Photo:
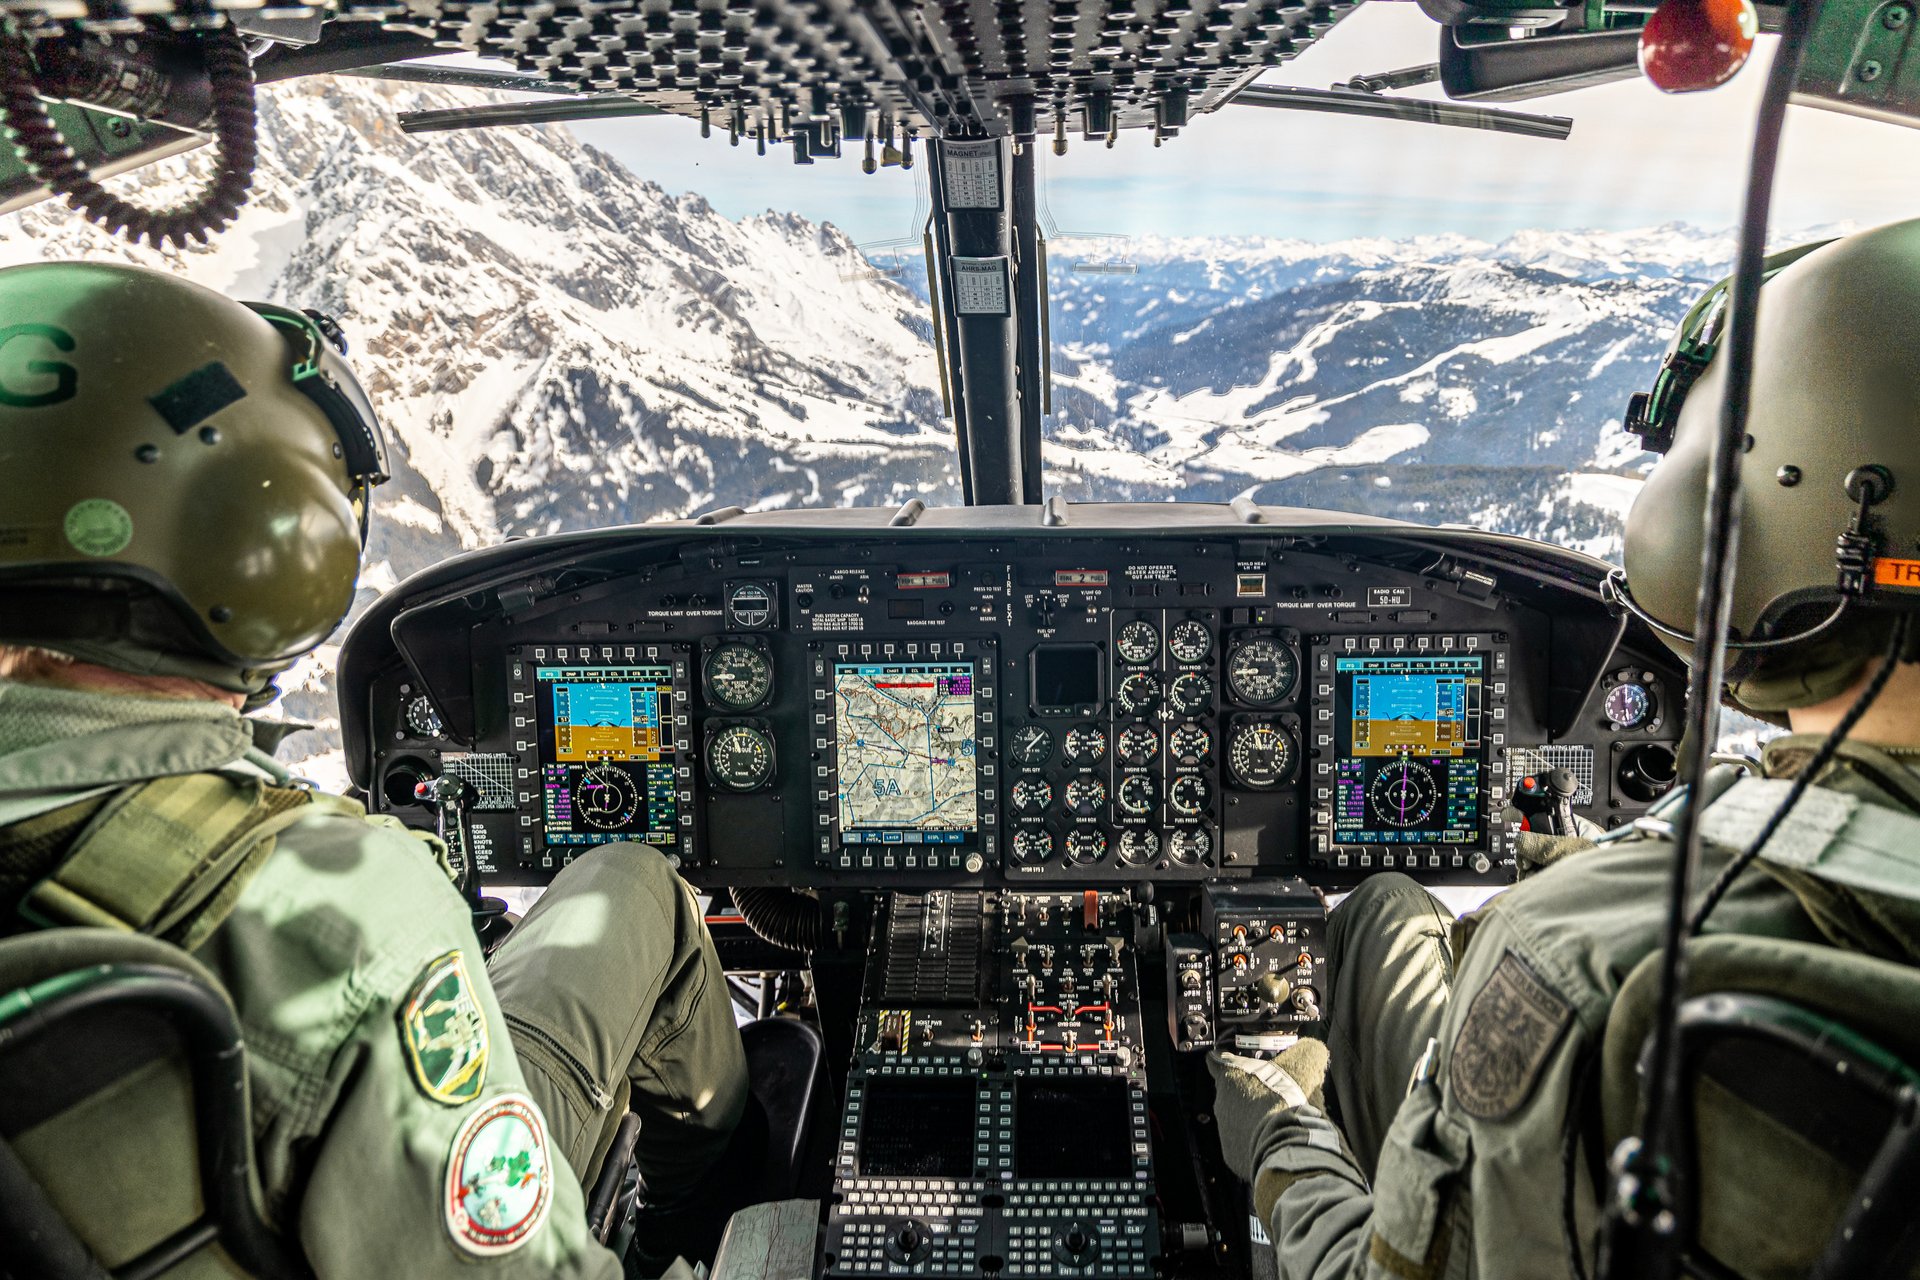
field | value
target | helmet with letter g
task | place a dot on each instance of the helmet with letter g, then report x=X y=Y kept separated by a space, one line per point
x=184 y=479
x=1829 y=544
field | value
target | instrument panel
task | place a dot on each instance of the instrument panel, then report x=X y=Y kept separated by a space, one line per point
x=798 y=699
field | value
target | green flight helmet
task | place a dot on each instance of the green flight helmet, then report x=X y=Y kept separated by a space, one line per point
x=1830 y=494
x=184 y=479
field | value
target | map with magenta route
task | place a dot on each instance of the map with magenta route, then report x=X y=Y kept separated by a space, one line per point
x=906 y=746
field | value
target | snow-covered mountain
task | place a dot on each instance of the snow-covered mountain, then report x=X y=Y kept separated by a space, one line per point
x=555 y=343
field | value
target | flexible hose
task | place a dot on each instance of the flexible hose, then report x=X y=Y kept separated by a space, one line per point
x=785 y=917
x=54 y=165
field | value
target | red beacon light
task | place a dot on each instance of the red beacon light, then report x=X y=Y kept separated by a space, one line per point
x=1690 y=45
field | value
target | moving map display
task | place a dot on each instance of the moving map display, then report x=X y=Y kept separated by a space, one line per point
x=1410 y=758
x=605 y=746
x=904 y=736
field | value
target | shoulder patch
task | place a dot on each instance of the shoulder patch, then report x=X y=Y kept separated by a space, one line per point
x=499 y=1177
x=444 y=1032
x=1506 y=1037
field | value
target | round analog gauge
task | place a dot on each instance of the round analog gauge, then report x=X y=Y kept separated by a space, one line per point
x=1189 y=641
x=1260 y=754
x=1032 y=746
x=1032 y=846
x=1084 y=847
x=740 y=757
x=1262 y=671
x=750 y=606
x=606 y=796
x=1137 y=795
x=1138 y=848
x=1402 y=794
x=1191 y=846
x=1085 y=796
x=1031 y=795
x=1190 y=744
x=1137 y=642
x=1085 y=744
x=1191 y=693
x=422 y=718
x=1189 y=794
x=1137 y=744
x=739 y=677
x=1138 y=692
x=1627 y=705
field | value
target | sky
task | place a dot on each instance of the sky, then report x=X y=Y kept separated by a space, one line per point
x=1636 y=158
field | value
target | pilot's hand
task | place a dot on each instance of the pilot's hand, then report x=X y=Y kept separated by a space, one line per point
x=1250 y=1095
x=1535 y=851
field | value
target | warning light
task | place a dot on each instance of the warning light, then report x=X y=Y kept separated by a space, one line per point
x=1903 y=574
x=1690 y=45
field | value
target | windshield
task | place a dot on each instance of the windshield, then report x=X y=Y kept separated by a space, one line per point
x=623 y=321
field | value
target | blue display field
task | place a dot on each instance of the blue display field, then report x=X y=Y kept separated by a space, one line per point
x=606 y=739
x=1410 y=757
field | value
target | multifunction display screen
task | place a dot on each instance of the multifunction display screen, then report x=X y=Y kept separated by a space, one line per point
x=1073 y=1127
x=904 y=736
x=918 y=1128
x=1410 y=758
x=606 y=736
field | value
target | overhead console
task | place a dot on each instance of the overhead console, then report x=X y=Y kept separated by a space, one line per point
x=1131 y=693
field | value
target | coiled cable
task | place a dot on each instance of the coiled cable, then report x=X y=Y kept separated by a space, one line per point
x=53 y=164
x=785 y=917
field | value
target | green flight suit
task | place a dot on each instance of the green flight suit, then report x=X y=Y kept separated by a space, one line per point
x=349 y=951
x=1465 y=1177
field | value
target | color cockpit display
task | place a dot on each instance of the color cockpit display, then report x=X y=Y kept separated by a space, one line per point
x=1410 y=751
x=605 y=737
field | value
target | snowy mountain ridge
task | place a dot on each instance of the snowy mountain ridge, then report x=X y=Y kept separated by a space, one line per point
x=555 y=343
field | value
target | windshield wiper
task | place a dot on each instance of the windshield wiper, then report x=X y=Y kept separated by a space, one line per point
x=591 y=106
x=1413 y=110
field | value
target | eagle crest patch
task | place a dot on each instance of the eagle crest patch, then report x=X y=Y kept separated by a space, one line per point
x=499 y=1177
x=1508 y=1033
x=444 y=1032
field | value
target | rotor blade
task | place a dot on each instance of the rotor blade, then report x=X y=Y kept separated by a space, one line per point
x=596 y=106
x=462 y=77
x=1413 y=110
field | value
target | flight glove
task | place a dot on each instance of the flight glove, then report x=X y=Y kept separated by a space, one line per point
x=1251 y=1096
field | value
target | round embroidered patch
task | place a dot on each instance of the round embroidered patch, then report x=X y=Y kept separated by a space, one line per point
x=499 y=1177
x=98 y=527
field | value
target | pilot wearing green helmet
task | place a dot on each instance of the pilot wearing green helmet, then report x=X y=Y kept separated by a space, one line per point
x=1457 y=1116
x=185 y=484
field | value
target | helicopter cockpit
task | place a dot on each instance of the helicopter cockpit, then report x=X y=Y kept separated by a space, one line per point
x=1022 y=804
